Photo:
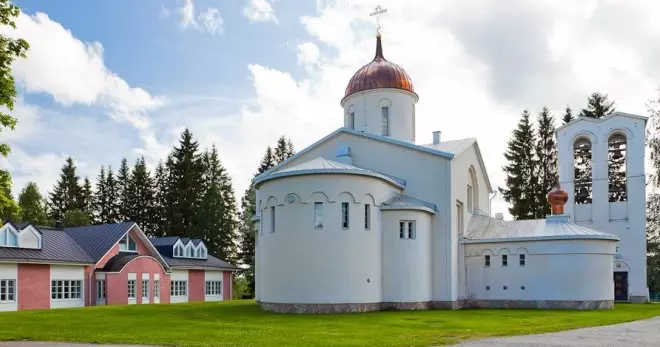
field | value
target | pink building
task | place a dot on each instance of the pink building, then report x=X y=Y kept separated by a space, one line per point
x=106 y=264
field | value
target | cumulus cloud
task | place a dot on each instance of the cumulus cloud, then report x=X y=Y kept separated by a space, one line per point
x=260 y=11
x=209 y=21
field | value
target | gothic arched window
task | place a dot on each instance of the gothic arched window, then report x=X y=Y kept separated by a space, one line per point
x=583 y=168
x=616 y=168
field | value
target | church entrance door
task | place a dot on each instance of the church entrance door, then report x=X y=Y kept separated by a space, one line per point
x=621 y=286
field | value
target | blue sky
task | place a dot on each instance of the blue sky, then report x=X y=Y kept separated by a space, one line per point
x=122 y=78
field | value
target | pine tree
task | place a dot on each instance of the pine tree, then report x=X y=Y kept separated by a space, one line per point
x=184 y=191
x=159 y=220
x=113 y=199
x=101 y=204
x=568 y=116
x=546 y=153
x=520 y=189
x=283 y=150
x=32 y=206
x=67 y=194
x=87 y=199
x=124 y=191
x=217 y=217
x=598 y=105
x=268 y=161
x=653 y=242
x=142 y=198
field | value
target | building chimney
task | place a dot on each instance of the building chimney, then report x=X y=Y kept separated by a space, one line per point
x=58 y=225
x=344 y=155
x=499 y=216
x=436 y=137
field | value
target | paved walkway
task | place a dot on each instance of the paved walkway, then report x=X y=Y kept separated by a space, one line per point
x=638 y=333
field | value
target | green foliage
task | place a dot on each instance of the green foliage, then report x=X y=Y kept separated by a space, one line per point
x=653 y=202
x=598 y=105
x=568 y=115
x=124 y=191
x=160 y=201
x=142 y=197
x=546 y=163
x=33 y=209
x=243 y=323
x=520 y=191
x=240 y=288
x=76 y=218
x=67 y=194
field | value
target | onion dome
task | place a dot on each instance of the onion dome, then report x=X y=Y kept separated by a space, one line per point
x=379 y=73
x=557 y=198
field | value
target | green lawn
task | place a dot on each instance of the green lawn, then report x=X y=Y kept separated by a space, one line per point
x=242 y=323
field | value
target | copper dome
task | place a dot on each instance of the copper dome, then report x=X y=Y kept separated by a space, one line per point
x=557 y=198
x=379 y=73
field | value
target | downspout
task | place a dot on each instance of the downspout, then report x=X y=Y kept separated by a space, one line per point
x=490 y=202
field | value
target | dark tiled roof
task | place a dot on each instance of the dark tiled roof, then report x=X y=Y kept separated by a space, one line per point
x=210 y=263
x=118 y=262
x=57 y=247
x=164 y=241
x=96 y=240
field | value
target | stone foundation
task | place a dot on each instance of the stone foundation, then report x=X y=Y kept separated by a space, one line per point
x=638 y=299
x=443 y=305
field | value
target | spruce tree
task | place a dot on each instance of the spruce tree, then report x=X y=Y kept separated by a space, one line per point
x=113 y=198
x=142 y=198
x=217 y=218
x=520 y=191
x=546 y=153
x=31 y=205
x=87 y=199
x=124 y=191
x=184 y=191
x=568 y=115
x=159 y=220
x=653 y=242
x=101 y=203
x=67 y=194
x=283 y=149
x=598 y=106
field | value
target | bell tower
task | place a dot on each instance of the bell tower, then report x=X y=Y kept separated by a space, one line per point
x=601 y=166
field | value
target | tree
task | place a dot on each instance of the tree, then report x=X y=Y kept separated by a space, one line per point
x=102 y=203
x=159 y=220
x=142 y=198
x=283 y=150
x=67 y=194
x=546 y=168
x=112 y=191
x=32 y=206
x=653 y=243
x=520 y=191
x=217 y=219
x=87 y=199
x=10 y=50
x=184 y=190
x=568 y=115
x=124 y=192
x=598 y=105
x=76 y=218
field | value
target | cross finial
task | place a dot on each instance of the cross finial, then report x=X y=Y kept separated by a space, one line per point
x=378 y=11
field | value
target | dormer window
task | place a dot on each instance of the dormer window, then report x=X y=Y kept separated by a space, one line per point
x=178 y=250
x=8 y=238
x=190 y=250
x=127 y=244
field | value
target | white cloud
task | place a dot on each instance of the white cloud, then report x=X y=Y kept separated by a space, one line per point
x=260 y=11
x=308 y=54
x=209 y=21
x=164 y=12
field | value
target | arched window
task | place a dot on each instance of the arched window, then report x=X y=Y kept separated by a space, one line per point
x=616 y=168
x=582 y=166
x=472 y=191
x=350 y=117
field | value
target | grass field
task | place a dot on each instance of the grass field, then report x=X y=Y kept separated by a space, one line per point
x=242 y=323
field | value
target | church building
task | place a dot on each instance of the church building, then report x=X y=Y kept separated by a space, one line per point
x=366 y=219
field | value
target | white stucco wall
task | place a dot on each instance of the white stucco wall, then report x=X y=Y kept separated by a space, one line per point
x=301 y=264
x=71 y=273
x=213 y=276
x=368 y=114
x=406 y=262
x=427 y=178
x=10 y=272
x=180 y=275
x=626 y=220
x=554 y=270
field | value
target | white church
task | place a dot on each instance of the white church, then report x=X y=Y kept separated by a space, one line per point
x=366 y=219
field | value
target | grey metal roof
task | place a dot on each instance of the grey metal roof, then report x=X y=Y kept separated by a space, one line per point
x=210 y=263
x=164 y=241
x=57 y=247
x=116 y=263
x=322 y=165
x=407 y=202
x=96 y=240
x=454 y=146
x=487 y=229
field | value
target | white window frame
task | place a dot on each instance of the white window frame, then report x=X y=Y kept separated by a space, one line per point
x=66 y=289
x=4 y=236
x=367 y=217
x=125 y=242
x=8 y=290
x=407 y=230
x=318 y=215
x=487 y=260
x=385 y=120
x=156 y=289
x=345 y=215
x=351 y=120
x=213 y=288
x=131 y=284
x=470 y=196
x=145 y=289
x=179 y=288
x=505 y=260
x=100 y=289
x=522 y=260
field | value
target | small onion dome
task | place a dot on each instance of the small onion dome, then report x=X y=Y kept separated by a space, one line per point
x=379 y=73
x=557 y=198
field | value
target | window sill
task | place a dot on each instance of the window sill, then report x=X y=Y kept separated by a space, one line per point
x=127 y=251
x=56 y=300
x=7 y=302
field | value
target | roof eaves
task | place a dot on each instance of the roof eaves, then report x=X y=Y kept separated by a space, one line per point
x=369 y=173
x=600 y=120
x=542 y=238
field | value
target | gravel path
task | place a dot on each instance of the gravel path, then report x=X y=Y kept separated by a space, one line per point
x=639 y=333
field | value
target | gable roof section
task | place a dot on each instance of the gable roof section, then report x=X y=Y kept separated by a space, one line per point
x=57 y=248
x=600 y=120
x=321 y=165
x=97 y=240
x=384 y=139
x=457 y=147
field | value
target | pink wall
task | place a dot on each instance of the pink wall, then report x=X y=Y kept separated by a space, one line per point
x=117 y=283
x=196 y=285
x=227 y=284
x=33 y=286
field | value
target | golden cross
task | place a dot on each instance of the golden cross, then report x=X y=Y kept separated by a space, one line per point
x=378 y=11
